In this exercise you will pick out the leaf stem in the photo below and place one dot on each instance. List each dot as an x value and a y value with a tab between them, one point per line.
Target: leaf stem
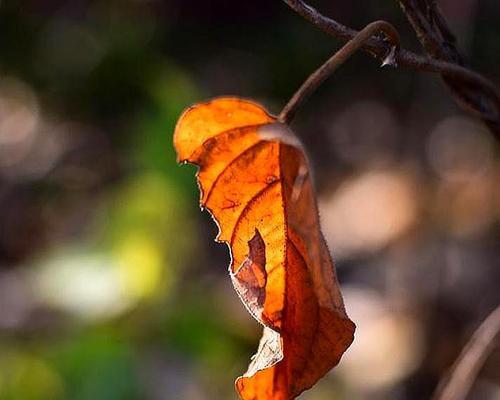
341	56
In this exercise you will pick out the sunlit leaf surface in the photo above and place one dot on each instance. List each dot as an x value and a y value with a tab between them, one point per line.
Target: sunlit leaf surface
255	181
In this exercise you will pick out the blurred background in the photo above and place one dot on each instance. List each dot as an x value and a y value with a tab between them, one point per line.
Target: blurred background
111	286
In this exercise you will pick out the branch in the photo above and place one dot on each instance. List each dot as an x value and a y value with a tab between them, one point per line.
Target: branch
342	55
485	103
432	29
470	361
440	43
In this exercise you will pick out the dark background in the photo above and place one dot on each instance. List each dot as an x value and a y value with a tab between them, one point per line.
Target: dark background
111	286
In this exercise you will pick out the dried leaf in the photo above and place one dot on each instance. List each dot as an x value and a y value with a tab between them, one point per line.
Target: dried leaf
254	179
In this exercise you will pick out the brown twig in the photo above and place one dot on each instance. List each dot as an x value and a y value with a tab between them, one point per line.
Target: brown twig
431	29
342	55
439	42
486	101
466	368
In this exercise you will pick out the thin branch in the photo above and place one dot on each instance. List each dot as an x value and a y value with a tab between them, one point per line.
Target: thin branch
488	108
432	29
342	55
439	42
470	361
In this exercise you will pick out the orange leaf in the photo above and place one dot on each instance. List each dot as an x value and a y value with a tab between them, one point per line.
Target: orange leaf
254	180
